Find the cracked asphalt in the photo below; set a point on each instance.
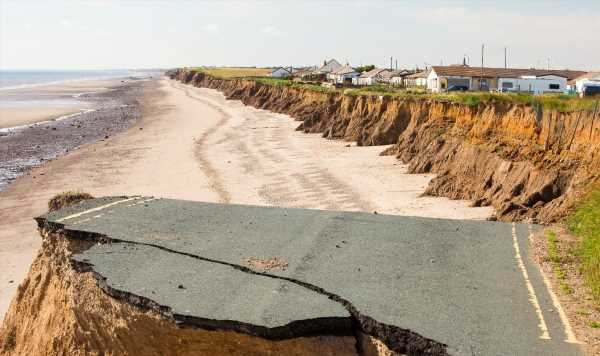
(471, 285)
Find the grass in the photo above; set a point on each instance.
(236, 72)
(290, 83)
(557, 102)
(555, 257)
(65, 199)
(585, 223)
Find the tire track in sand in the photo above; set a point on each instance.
(216, 182)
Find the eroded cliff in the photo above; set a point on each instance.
(529, 164)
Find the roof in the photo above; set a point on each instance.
(388, 74)
(417, 75)
(372, 73)
(326, 68)
(590, 75)
(467, 71)
(278, 68)
(344, 70)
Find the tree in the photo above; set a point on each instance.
(365, 68)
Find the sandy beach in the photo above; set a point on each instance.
(28, 105)
(11, 117)
(192, 144)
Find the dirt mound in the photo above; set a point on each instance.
(528, 164)
(59, 310)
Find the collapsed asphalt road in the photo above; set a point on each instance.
(420, 285)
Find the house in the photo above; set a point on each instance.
(416, 80)
(321, 73)
(586, 84)
(329, 66)
(537, 81)
(395, 77)
(372, 77)
(281, 72)
(343, 75)
(299, 73)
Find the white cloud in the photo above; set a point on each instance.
(66, 23)
(272, 31)
(211, 28)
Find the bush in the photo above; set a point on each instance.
(65, 199)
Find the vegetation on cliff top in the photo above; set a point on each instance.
(235, 72)
(585, 222)
(64, 199)
(558, 102)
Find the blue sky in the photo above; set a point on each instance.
(140, 34)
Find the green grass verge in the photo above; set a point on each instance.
(557, 102)
(555, 257)
(585, 222)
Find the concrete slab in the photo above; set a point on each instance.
(470, 285)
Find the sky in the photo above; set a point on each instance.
(96, 34)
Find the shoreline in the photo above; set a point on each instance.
(22, 118)
(193, 144)
(103, 113)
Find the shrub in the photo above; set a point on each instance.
(65, 199)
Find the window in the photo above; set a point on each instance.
(555, 86)
(507, 85)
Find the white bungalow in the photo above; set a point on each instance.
(371, 77)
(343, 75)
(587, 84)
(442, 78)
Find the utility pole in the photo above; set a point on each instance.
(481, 79)
(505, 65)
(396, 64)
(391, 63)
(548, 63)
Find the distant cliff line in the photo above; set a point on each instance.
(529, 164)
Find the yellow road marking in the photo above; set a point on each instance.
(532, 296)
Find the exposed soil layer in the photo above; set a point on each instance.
(528, 164)
(81, 314)
(61, 310)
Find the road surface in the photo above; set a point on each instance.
(193, 144)
(469, 285)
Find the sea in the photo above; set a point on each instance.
(25, 146)
(13, 79)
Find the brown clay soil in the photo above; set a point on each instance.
(191, 143)
(529, 165)
(78, 318)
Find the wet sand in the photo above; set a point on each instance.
(31, 104)
(191, 143)
(11, 117)
(56, 131)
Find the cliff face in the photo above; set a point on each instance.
(528, 164)
(61, 310)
